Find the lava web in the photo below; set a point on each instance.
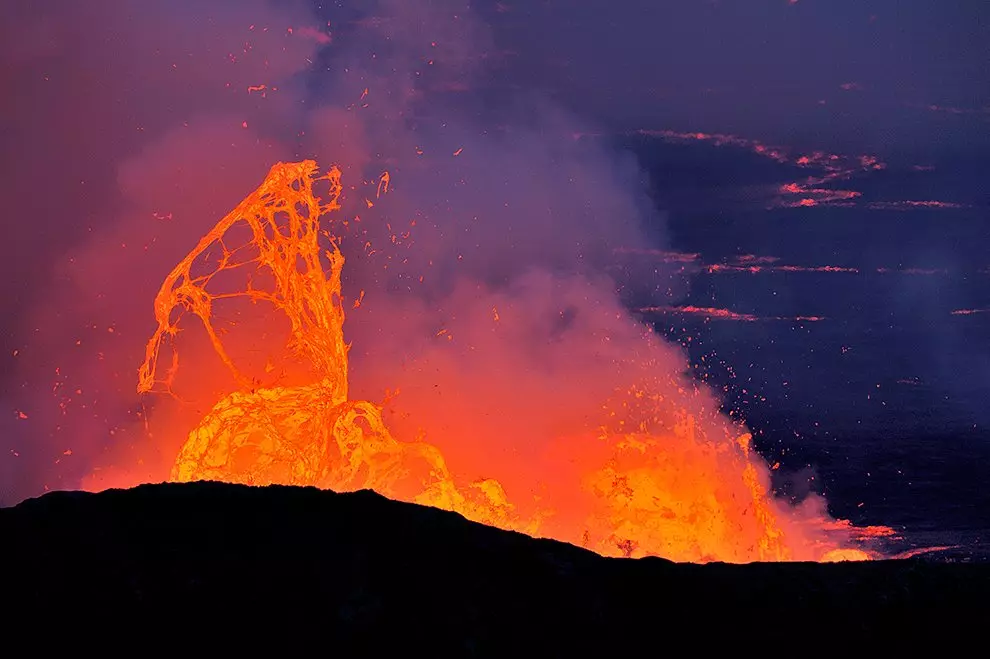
(643, 488)
(309, 434)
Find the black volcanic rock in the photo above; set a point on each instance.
(362, 575)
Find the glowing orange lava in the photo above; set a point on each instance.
(635, 484)
(311, 433)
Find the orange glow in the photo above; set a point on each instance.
(383, 182)
(799, 194)
(658, 475)
(807, 193)
(725, 267)
(813, 196)
(714, 313)
(708, 312)
(811, 191)
(752, 258)
(824, 268)
(841, 555)
(753, 264)
(721, 139)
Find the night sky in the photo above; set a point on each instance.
(794, 190)
(898, 76)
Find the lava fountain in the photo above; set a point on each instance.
(684, 490)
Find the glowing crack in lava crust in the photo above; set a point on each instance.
(681, 492)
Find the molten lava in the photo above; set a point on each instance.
(684, 490)
(308, 434)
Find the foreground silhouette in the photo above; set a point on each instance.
(360, 574)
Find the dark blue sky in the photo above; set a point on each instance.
(857, 72)
(847, 71)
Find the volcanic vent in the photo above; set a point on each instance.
(651, 478)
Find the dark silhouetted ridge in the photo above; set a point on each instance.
(360, 574)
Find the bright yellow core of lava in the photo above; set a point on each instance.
(682, 497)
